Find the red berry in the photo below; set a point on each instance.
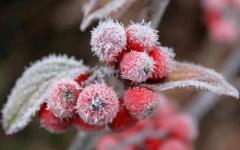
(141, 37)
(162, 58)
(141, 102)
(152, 143)
(212, 17)
(224, 31)
(108, 40)
(63, 98)
(123, 120)
(52, 123)
(81, 125)
(182, 127)
(174, 144)
(136, 66)
(97, 104)
(82, 78)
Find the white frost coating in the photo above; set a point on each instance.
(113, 8)
(136, 66)
(170, 56)
(31, 89)
(143, 34)
(108, 40)
(195, 76)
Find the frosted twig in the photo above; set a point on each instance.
(154, 11)
(203, 102)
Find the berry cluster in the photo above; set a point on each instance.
(89, 108)
(168, 130)
(135, 51)
(95, 106)
(221, 18)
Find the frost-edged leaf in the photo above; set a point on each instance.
(96, 9)
(32, 88)
(195, 76)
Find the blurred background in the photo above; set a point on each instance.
(31, 29)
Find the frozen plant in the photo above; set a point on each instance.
(68, 92)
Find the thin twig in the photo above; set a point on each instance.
(153, 11)
(158, 16)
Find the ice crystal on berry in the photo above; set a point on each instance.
(83, 126)
(97, 104)
(141, 102)
(108, 40)
(141, 37)
(63, 98)
(136, 66)
(163, 58)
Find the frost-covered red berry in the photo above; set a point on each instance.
(52, 123)
(162, 58)
(174, 144)
(141, 102)
(182, 127)
(108, 40)
(97, 104)
(81, 125)
(141, 37)
(123, 120)
(63, 98)
(136, 66)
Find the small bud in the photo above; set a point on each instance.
(81, 125)
(108, 40)
(141, 37)
(136, 66)
(141, 102)
(52, 123)
(97, 104)
(123, 120)
(63, 98)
